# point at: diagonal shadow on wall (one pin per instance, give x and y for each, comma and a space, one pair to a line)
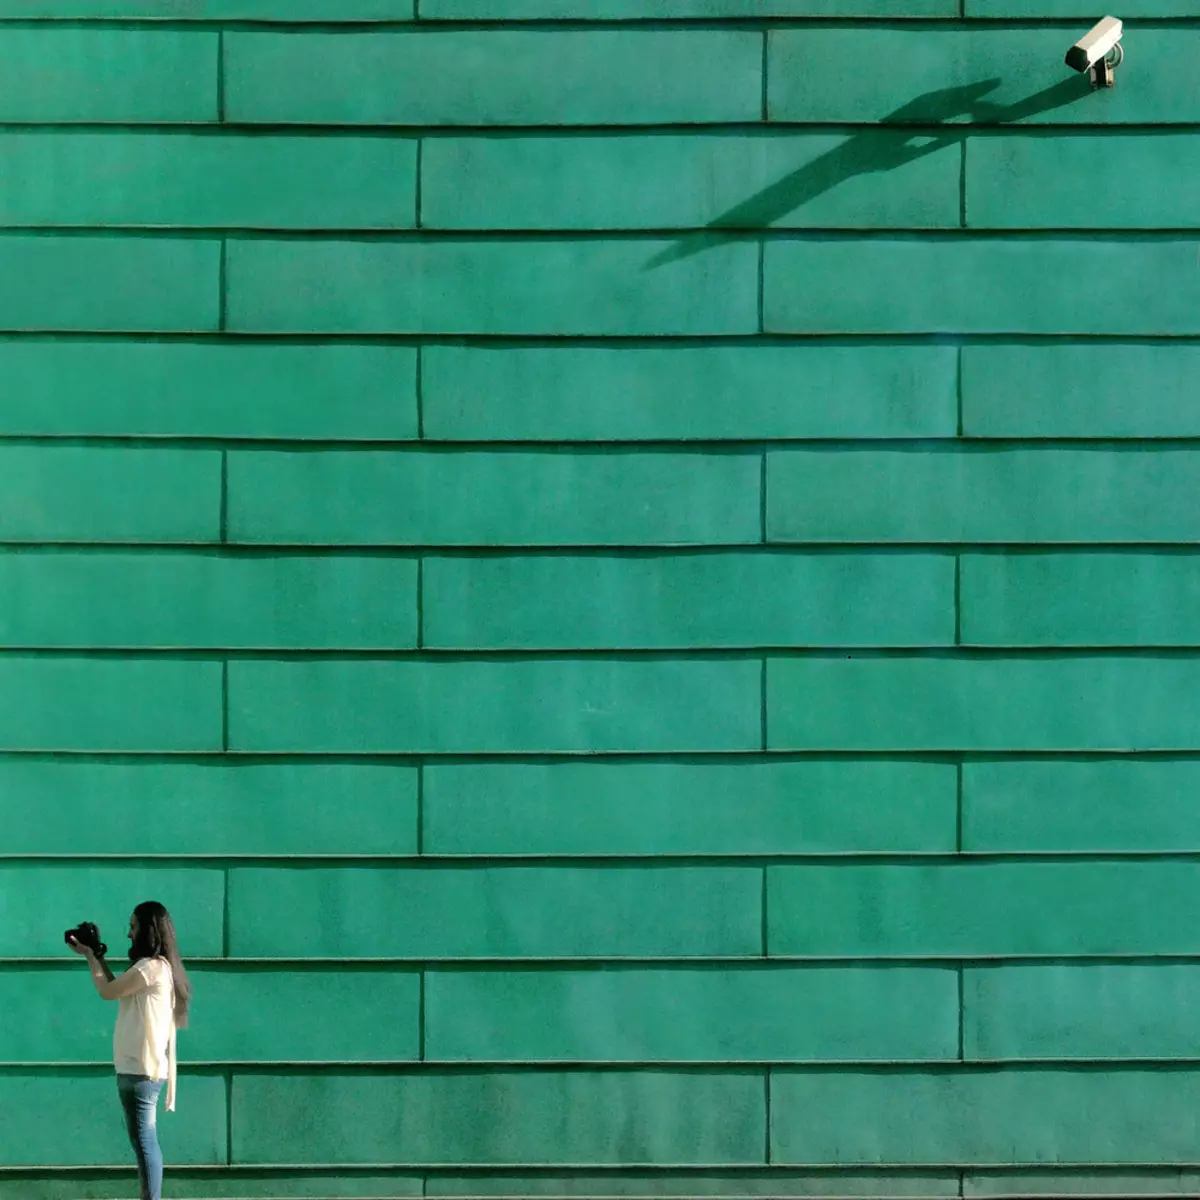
876, 149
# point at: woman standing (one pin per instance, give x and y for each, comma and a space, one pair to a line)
153, 998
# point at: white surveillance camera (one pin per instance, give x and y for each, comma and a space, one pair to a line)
1098, 51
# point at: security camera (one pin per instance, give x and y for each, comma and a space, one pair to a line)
1098, 51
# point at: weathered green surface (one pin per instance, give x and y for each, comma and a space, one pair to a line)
677, 808
541, 530
636, 1118
472, 911
688, 392
494, 497
1069, 805
980, 909
669, 601
481, 286
209, 806
723, 1014
512, 78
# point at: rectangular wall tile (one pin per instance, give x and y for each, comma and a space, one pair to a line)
207, 180
686, 600
547, 287
568, 706
982, 909
494, 498
706, 1014
963, 75
1081, 599
595, 77
109, 284
1114, 805
94, 494
180, 600
984, 494
234, 1183
1095, 702
665, 181
107, 76
744, 1182
1078, 1011
324, 11
1056, 1116
42, 901
216, 390
484, 912
765, 391
1031, 182
1081, 390
1130, 285
138, 705
212, 808
620, 10
1149, 1181
248, 1014
77, 1096
1074, 8
576, 1117
666, 808
240, 1014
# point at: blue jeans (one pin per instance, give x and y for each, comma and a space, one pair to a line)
139, 1099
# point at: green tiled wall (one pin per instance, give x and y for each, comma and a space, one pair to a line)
627, 569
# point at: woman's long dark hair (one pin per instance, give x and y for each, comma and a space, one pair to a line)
156, 939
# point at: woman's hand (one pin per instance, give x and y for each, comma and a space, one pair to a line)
80, 948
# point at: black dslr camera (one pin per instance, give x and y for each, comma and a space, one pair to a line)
86, 934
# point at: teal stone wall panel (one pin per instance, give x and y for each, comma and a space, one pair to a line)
1024, 182
204, 180
632, 10
102, 704
169, 599
220, 1183
76, 75
727, 1014
238, 390
297, 11
688, 392
1080, 1011
1058, 702
1051, 1117
958, 493
982, 285
536, 497
210, 806
550, 287
448, 706
1081, 806
802, 806
672, 601
1081, 390
484, 911
1081, 599
272, 1015
81, 1097
767, 1181
109, 284
579, 1117
593, 77
966, 75
42, 900
101, 494
980, 909
664, 181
